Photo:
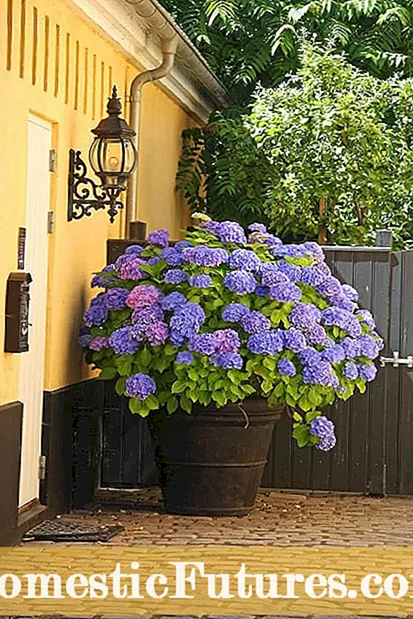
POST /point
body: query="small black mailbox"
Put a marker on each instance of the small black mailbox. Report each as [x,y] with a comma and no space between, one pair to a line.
[17,312]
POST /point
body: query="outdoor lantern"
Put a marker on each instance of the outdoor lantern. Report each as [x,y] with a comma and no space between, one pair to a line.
[113,158]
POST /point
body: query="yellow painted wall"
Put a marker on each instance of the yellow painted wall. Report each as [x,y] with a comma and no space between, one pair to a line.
[53,64]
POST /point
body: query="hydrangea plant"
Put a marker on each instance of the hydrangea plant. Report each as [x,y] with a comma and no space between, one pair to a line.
[226,315]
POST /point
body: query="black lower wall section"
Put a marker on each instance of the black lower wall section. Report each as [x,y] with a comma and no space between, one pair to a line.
[10,439]
[70,442]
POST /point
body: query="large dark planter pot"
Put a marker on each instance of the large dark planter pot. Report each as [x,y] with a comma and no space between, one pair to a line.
[211,462]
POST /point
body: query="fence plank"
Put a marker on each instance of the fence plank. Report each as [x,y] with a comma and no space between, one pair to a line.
[406,377]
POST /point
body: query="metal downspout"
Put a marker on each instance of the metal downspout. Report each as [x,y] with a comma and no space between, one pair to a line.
[169,47]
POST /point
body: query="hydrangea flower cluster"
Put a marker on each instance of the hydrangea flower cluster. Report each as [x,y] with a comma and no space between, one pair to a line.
[224,315]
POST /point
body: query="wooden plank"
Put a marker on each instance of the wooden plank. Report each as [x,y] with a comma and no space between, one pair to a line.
[359,410]
[278,473]
[376,394]
[406,378]
[342,266]
[111,476]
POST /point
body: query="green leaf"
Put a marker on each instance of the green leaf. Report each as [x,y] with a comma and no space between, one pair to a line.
[185,403]
[178,386]
[144,357]
[124,365]
[171,405]
[108,373]
[152,403]
[120,385]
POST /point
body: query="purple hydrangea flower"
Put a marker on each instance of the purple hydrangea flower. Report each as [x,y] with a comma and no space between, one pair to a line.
[140,386]
[146,327]
[101,281]
[294,340]
[122,341]
[131,269]
[177,338]
[134,249]
[144,296]
[367,372]
[227,340]
[244,259]
[262,291]
[292,271]
[173,301]
[320,373]
[341,301]
[240,282]
[312,276]
[315,250]
[98,343]
[200,281]
[234,312]
[334,316]
[148,314]
[350,370]
[97,312]
[159,237]
[271,275]
[186,358]
[285,293]
[171,256]
[227,231]
[304,315]
[255,322]
[266,343]
[180,245]
[327,443]
[289,251]
[323,428]
[205,256]
[115,298]
[334,354]
[316,334]
[203,343]
[368,347]
[175,276]
[329,287]
[186,321]
[286,367]
[366,318]
[351,347]
[256,227]
[228,361]
[84,337]
[350,292]
[310,356]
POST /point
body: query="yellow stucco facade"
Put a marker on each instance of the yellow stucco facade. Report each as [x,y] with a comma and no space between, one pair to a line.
[54,64]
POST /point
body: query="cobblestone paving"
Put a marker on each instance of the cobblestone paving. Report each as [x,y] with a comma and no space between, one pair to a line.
[279,519]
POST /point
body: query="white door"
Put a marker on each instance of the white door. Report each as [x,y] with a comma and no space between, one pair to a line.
[32,363]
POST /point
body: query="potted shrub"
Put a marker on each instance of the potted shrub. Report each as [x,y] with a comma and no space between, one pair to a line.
[211,338]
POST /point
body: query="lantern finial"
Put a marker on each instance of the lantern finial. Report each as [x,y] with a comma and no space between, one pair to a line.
[114,107]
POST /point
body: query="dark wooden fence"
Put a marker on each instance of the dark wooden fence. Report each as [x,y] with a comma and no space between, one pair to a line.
[374,453]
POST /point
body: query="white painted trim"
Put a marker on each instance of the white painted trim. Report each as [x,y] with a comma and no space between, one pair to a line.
[122,25]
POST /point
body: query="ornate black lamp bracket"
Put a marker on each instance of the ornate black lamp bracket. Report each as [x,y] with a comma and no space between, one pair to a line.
[85,194]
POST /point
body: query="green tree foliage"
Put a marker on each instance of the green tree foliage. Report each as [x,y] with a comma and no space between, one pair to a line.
[251,41]
[330,132]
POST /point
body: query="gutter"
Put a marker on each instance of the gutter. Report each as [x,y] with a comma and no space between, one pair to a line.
[169,47]
[174,44]
[158,20]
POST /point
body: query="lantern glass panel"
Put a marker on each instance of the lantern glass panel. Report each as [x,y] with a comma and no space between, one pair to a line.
[112,159]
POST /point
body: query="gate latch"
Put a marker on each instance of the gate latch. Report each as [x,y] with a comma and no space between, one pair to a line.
[396,361]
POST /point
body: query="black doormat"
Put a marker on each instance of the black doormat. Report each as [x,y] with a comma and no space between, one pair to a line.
[64,531]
